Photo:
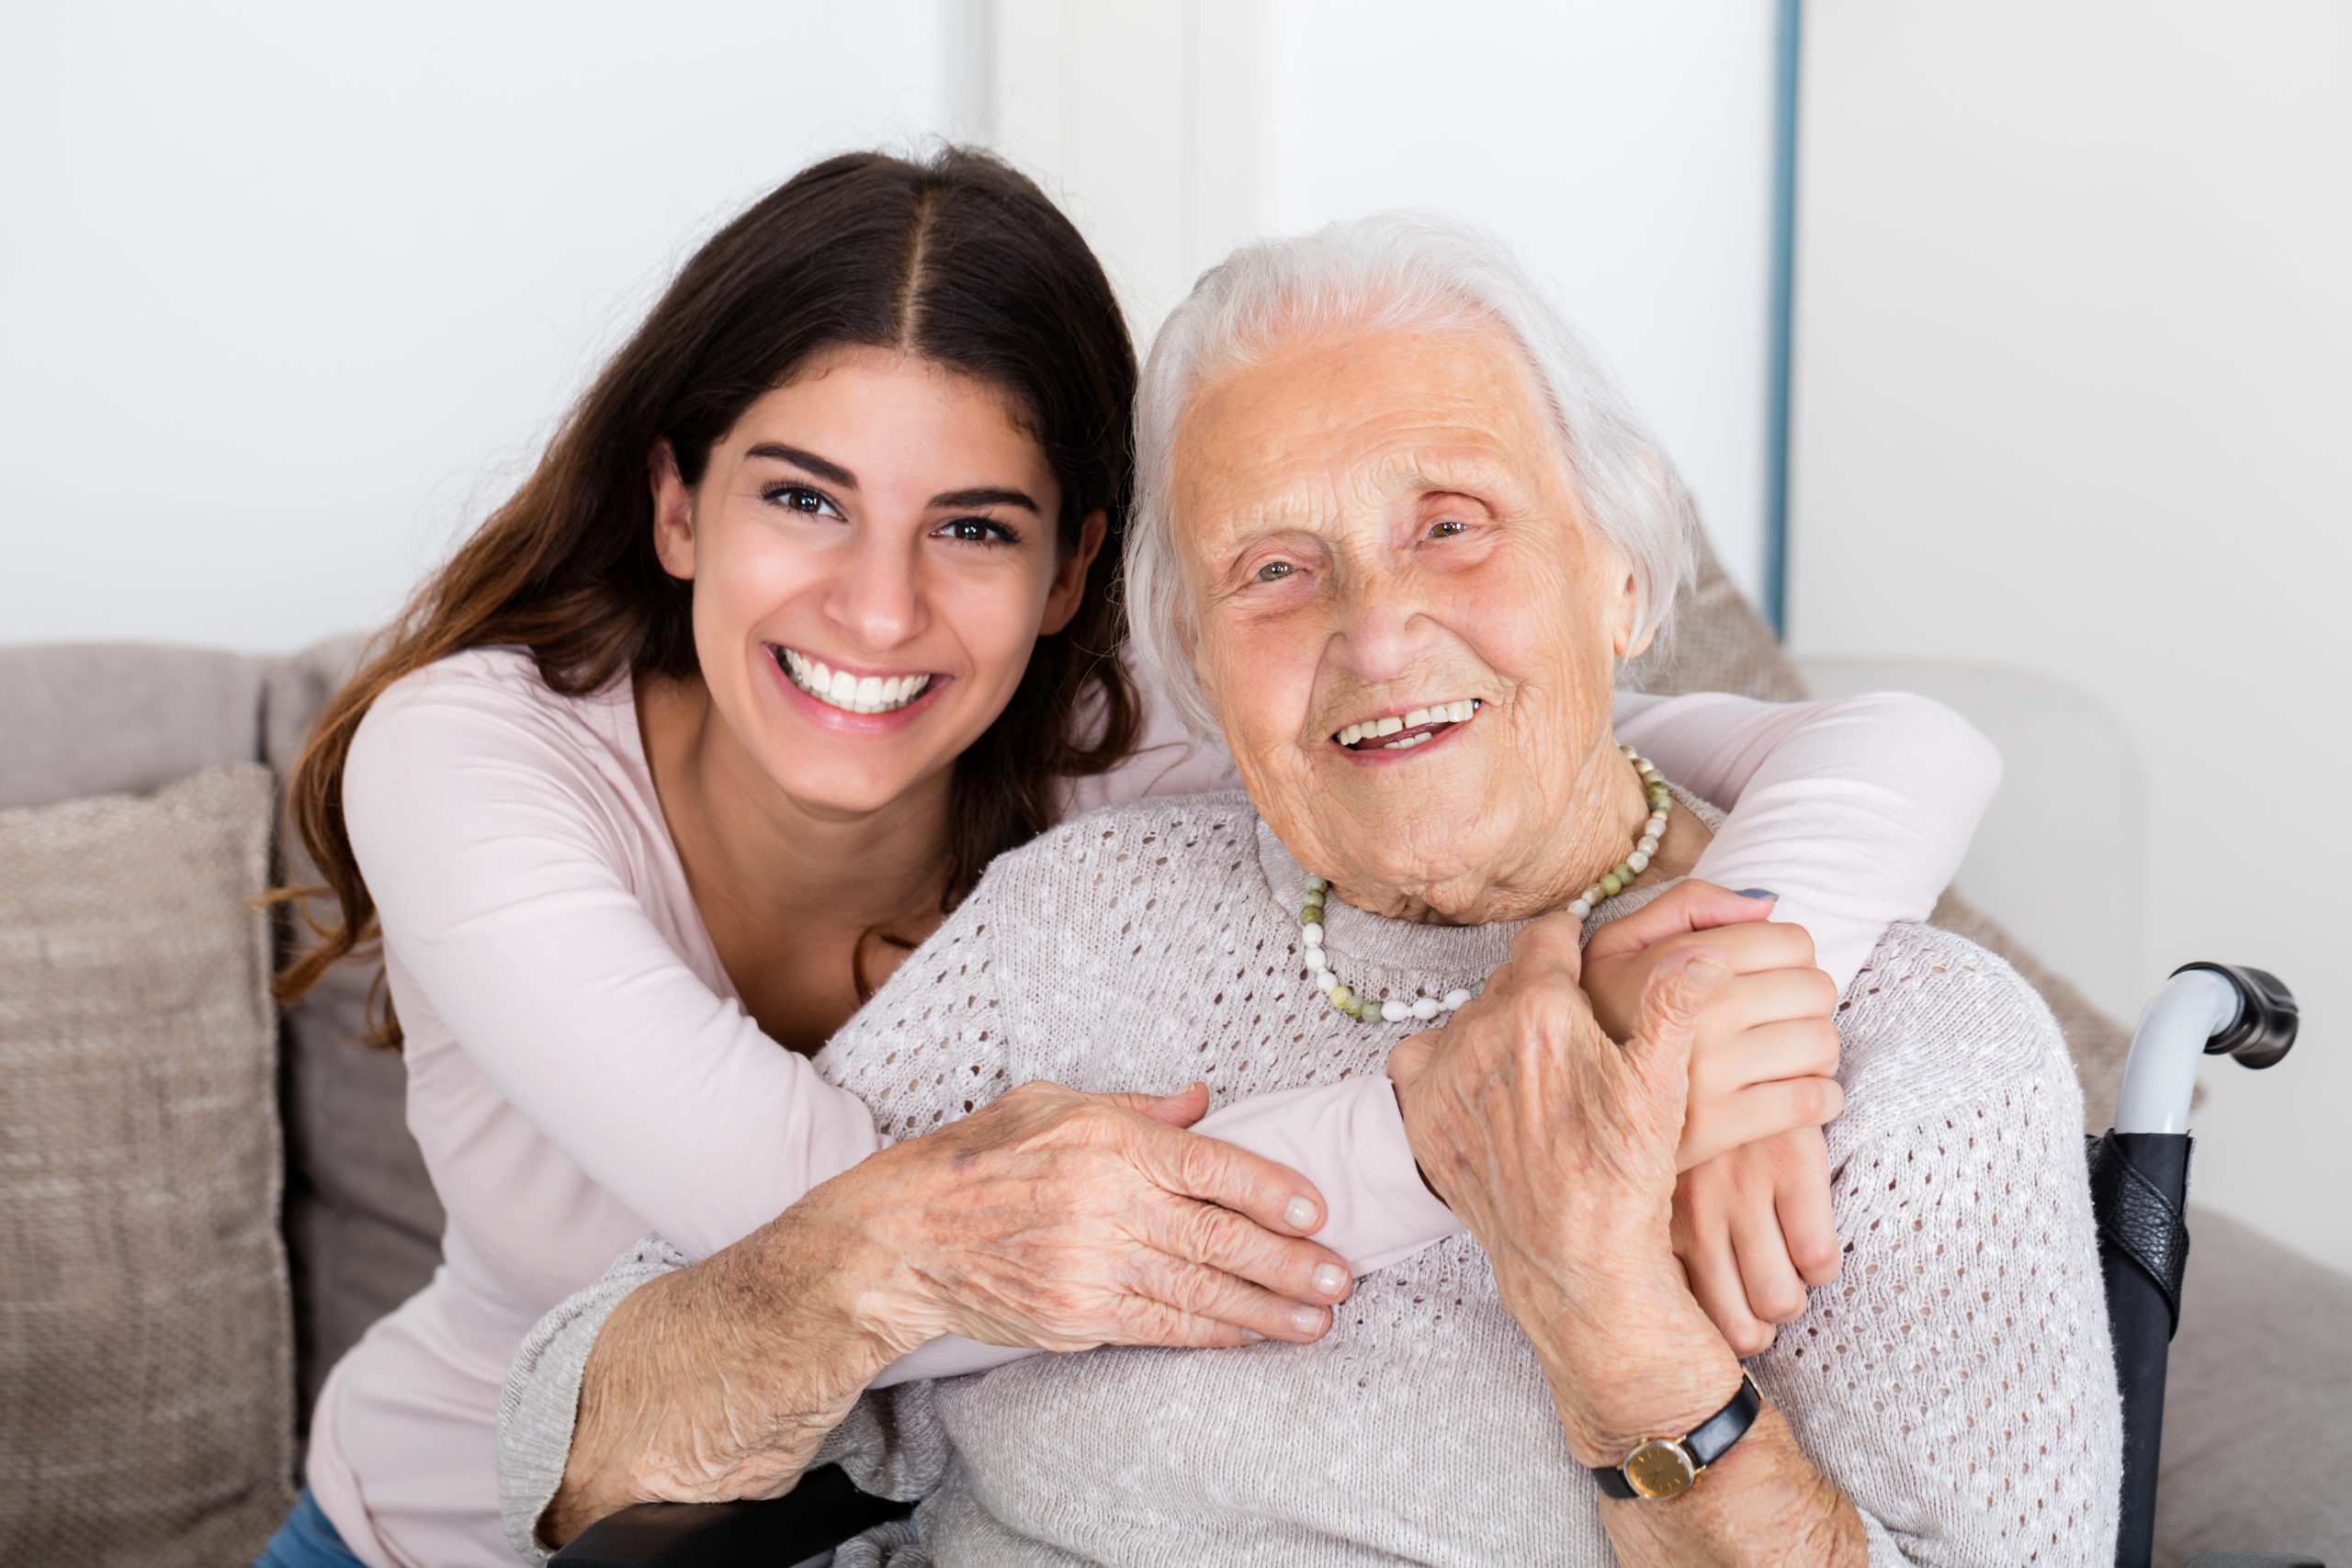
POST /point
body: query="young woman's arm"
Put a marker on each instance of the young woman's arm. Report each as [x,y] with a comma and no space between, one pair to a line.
[503,871]
[1856,812]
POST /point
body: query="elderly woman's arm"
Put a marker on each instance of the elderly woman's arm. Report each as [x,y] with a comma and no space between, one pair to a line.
[1952,1401]
[1049,1218]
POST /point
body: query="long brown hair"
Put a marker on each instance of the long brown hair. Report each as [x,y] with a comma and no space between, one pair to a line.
[955,259]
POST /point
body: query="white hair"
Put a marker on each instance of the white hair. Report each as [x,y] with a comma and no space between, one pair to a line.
[1393,270]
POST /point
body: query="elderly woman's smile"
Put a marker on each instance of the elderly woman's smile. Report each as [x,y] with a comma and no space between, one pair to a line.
[1411,629]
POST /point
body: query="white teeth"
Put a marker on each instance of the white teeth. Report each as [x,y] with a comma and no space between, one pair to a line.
[1436,713]
[1409,742]
[851,693]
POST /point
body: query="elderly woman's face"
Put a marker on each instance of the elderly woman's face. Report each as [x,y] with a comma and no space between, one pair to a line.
[1383,537]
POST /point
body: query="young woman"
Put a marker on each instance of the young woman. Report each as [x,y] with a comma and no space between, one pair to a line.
[809,612]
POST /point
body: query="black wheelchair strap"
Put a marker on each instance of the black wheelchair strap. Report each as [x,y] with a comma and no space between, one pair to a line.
[2139,1218]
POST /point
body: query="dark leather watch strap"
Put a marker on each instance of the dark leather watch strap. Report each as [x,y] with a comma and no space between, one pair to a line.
[1705,1443]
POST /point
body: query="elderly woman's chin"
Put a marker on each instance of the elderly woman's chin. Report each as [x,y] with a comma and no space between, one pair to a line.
[1440,832]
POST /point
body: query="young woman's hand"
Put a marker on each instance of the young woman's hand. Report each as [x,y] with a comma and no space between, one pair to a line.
[1753,1231]
[1752,1222]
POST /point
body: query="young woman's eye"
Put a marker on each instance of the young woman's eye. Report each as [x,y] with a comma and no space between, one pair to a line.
[1275,570]
[801,499]
[1448,528]
[979,531]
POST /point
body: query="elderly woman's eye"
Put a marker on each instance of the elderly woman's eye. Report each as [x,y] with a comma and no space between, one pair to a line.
[1446,528]
[1276,570]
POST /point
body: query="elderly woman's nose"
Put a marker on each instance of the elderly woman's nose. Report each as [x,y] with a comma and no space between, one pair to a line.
[877,594]
[1382,626]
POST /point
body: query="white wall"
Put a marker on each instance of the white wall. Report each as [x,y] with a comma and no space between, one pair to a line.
[2071,335]
[292,293]
[1625,150]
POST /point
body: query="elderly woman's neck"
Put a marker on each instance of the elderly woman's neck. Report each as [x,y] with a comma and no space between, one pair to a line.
[1603,816]
[1605,831]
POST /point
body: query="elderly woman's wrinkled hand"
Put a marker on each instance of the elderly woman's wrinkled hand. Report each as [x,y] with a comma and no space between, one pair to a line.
[1556,1146]
[1064,1221]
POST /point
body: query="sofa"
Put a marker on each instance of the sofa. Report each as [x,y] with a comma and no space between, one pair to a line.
[204,1200]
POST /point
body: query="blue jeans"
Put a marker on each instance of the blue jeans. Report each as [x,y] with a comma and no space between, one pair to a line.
[306,1541]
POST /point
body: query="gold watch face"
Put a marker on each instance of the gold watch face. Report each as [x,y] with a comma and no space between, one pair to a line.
[1660,1468]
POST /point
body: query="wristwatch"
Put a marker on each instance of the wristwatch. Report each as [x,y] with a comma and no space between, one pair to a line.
[1665,1467]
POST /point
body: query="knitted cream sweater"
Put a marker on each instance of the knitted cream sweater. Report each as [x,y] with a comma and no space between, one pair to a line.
[1956,1382]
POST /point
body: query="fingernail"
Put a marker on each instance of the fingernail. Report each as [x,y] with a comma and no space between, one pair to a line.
[1301,1213]
[1758,893]
[1252,1335]
[1307,1320]
[1331,1278]
[1706,969]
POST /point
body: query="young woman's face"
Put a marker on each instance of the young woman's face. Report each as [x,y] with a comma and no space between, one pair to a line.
[874,557]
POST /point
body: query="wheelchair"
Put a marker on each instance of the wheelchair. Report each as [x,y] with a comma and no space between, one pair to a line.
[2138,1176]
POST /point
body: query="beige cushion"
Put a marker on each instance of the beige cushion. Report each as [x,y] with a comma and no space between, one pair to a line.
[146,1380]
[2257,1451]
[1719,643]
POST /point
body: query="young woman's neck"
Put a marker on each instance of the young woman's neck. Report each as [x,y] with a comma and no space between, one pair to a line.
[755,856]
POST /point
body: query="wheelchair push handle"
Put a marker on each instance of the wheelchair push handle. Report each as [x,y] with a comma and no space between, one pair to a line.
[2203,1010]
[2268,1017]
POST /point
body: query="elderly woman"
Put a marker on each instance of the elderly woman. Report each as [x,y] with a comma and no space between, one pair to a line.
[1397,535]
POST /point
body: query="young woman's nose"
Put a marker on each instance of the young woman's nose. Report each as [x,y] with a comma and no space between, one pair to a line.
[878,599]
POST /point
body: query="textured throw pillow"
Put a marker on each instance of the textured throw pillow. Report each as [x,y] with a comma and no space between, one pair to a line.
[145,1347]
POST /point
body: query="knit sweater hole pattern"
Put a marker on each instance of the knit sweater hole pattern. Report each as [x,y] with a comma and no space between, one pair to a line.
[1106,921]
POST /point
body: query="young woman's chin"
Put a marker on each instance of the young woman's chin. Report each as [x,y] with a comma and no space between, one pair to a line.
[827,756]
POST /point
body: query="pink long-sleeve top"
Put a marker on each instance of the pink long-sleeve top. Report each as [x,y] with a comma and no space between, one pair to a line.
[581,1072]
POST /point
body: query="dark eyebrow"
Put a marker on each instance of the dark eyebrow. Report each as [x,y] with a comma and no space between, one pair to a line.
[960,498]
[831,473]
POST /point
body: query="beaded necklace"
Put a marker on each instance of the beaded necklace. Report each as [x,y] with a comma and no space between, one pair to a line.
[1392,1010]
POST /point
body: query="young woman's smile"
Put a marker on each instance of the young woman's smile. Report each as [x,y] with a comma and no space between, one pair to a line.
[844,691]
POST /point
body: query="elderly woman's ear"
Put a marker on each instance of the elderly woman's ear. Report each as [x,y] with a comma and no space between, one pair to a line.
[1626,608]
[1629,648]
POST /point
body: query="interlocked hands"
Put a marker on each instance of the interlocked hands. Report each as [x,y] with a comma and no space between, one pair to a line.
[1562,1150]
